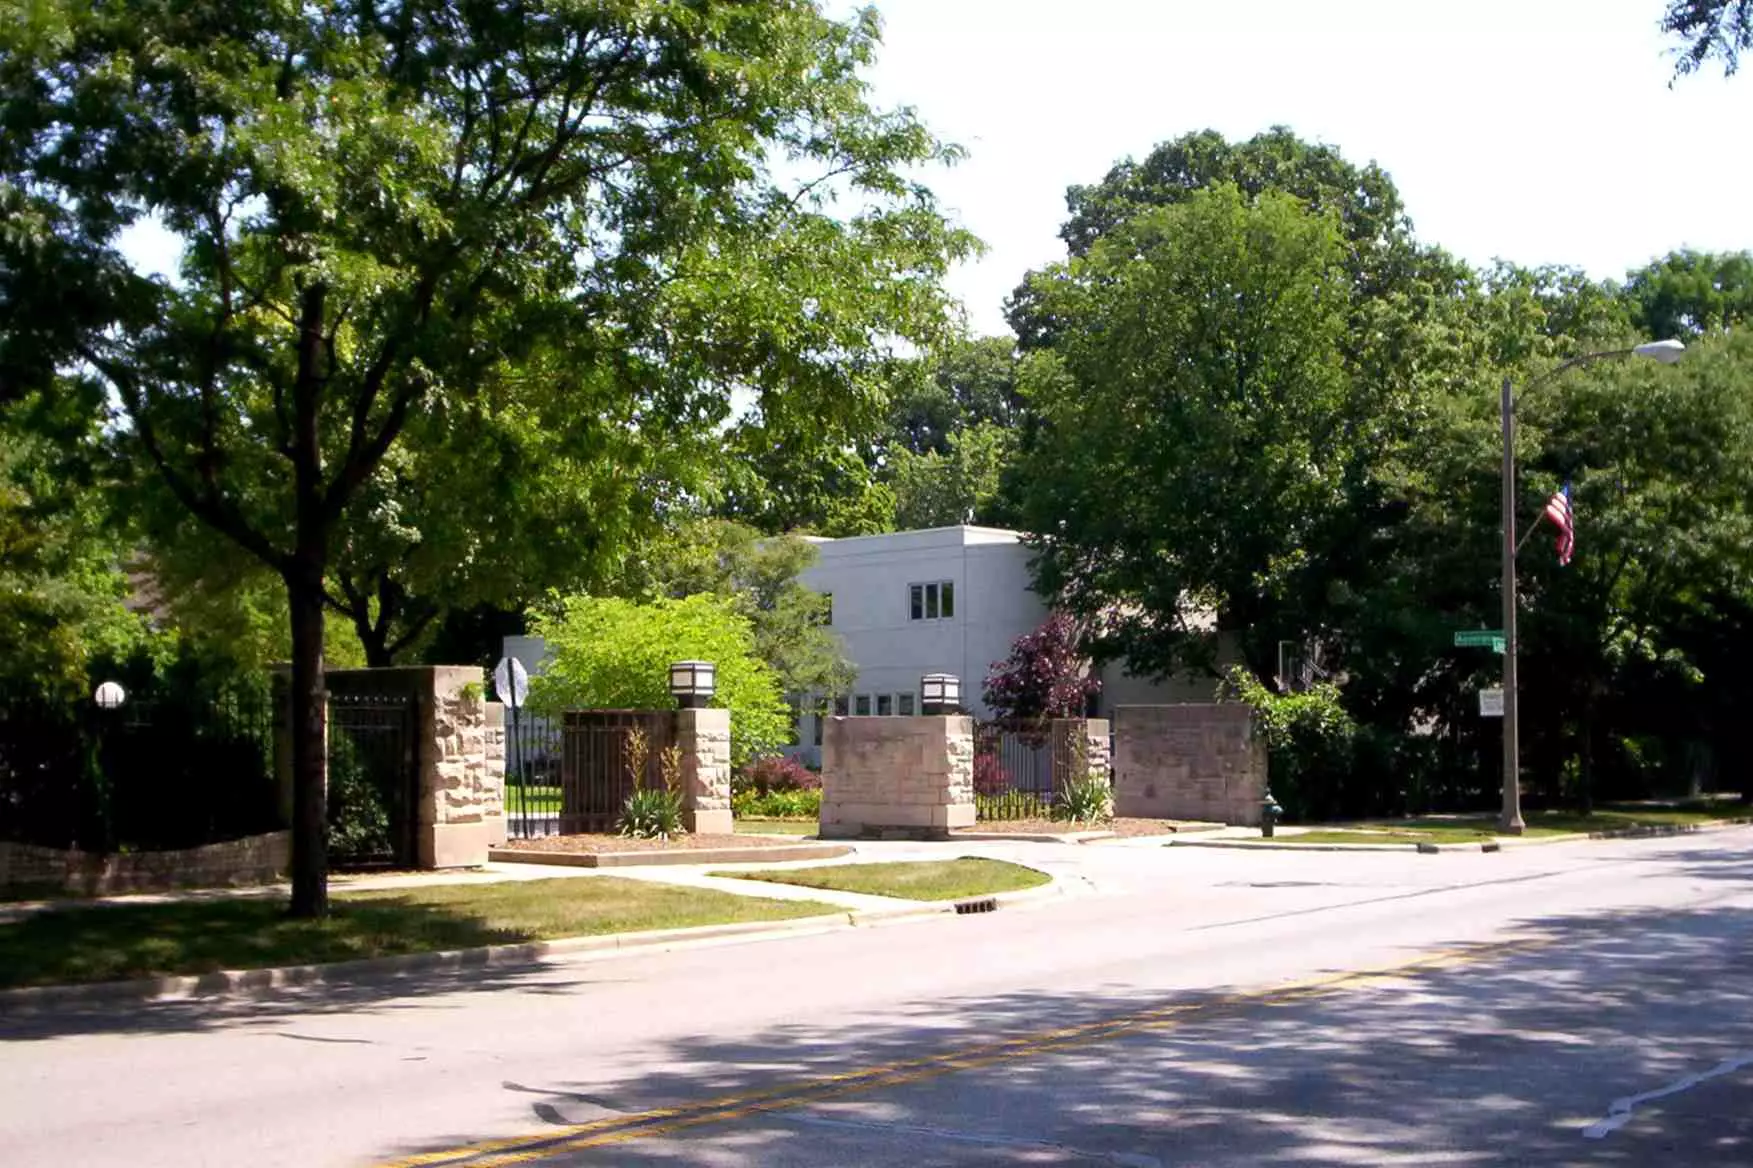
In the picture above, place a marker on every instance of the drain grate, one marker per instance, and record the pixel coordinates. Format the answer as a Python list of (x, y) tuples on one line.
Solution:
[(985, 904)]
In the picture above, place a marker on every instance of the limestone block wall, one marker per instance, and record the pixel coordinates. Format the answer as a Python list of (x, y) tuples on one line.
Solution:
[(493, 745), (911, 776), (704, 739), (1194, 761)]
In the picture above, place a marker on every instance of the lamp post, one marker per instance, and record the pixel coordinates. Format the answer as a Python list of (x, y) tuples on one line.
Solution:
[(1667, 352), (692, 684), (939, 693)]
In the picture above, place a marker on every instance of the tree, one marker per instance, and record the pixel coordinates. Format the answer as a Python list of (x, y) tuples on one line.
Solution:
[(968, 384), (1709, 30), (1691, 293), (388, 209), (605, 652), (63, 591), (1194, 444), (1047, 675), (759, 577), (963, 484)]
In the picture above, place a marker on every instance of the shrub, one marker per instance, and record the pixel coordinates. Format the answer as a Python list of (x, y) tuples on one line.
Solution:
[(990, 777), (1312, 747), (651, 813), (775, 772), (777, 804)]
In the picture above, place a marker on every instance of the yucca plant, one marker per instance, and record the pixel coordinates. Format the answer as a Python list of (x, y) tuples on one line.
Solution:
[(651, 813)]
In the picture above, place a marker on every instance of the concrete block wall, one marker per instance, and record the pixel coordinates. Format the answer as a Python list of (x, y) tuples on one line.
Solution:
[(1195, 761), (493, 745), (897, 776)]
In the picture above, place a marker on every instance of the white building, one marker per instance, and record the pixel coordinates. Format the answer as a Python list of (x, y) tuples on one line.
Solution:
[(942, 600)]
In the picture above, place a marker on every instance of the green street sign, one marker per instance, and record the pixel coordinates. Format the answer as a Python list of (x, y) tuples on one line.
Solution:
[(1480, 639)]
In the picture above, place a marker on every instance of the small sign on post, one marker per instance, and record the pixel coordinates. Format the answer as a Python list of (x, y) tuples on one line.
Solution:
[(1480, 639), (1491, 703), (511, 681)]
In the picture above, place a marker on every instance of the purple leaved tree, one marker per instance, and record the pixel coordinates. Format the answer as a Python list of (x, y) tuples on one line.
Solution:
[(1046, 676)]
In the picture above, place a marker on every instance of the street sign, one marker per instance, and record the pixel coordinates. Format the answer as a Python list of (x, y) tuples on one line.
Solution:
[(1479, 639), (511, 681), (1491, 703)]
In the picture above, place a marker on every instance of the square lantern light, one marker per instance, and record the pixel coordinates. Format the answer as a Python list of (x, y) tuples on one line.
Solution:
[(940, 693), (692, 684)]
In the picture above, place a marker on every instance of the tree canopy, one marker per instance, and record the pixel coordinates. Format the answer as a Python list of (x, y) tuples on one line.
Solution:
[(395, 219)]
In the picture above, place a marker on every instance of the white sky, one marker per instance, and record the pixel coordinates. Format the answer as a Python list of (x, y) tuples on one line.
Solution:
[(1539, 131)]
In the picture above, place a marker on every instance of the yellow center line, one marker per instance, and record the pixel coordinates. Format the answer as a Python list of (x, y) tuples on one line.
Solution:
[(502, 1153)]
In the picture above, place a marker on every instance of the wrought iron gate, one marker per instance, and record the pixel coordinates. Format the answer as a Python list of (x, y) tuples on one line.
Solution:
[(595, 772), (374, 780)]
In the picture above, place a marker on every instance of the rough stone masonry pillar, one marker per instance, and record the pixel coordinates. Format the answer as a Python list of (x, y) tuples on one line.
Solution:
[(493, 776), (452, 830), (897, 777), (704, 738)]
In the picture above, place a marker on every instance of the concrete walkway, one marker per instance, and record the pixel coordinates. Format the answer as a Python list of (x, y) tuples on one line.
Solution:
[(689, 875)]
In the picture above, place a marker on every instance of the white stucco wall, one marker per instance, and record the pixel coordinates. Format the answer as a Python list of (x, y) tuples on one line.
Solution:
[(870, 579)]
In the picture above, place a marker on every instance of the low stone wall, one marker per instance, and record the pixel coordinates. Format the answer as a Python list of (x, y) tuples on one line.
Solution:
[(897, 776), (257, 859), (1194, 761)]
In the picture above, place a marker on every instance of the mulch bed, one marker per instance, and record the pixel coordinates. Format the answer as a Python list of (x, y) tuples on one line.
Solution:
[(617, 843), (1125, 828)]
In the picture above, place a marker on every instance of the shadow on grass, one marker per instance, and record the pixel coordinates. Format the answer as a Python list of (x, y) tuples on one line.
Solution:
[(1497, 1057)]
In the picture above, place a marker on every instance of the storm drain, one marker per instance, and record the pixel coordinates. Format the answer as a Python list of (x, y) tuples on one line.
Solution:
[(984, 904)]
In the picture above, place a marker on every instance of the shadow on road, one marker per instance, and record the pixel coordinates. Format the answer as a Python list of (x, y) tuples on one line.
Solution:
[(1490, 1057)]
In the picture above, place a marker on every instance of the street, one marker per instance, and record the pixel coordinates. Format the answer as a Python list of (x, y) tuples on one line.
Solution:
[(1584, 1003)]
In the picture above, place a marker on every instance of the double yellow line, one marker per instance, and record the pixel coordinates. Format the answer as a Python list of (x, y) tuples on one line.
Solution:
[(663, 1121)]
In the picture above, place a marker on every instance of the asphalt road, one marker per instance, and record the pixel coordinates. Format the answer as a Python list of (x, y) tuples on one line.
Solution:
[(1574, 1004)]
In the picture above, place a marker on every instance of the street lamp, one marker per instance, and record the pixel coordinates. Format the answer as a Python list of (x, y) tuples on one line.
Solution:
[(692, 683), (1667, 352)]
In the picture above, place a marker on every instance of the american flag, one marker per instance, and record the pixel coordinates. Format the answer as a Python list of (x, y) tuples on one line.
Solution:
[(1558, 510)]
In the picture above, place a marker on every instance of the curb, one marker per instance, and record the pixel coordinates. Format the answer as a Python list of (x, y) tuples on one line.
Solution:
[(778, 854), (1000, 837), (249, 983), (1493, 845)]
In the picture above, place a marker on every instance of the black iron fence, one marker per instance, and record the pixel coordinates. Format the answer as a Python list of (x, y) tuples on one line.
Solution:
[(532, 775), (597, 763), (374, 780), (1013, 771), (163, 771)]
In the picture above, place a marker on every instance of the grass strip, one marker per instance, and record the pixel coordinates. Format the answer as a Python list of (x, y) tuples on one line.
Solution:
[(110, 943), (909, 880)]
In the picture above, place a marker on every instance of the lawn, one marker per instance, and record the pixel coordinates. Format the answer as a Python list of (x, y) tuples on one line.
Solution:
[(108, 944), (777, 826), (924, 880), (1479, 829), (532, 800)]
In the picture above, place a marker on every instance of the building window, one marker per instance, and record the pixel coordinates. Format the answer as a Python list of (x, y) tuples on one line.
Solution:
[(885, 705), (842, 705), (905, 702), (861, 705), (821, 718), (935, 601)]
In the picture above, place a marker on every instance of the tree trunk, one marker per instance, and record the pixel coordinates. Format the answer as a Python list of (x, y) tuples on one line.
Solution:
[(310, 830)]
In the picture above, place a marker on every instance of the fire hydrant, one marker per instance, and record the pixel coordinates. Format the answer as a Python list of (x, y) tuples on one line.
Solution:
[(1269, 813)]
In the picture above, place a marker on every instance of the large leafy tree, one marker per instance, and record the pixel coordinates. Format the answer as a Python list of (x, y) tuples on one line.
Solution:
[(1709, 30), (760, 578), (1195, 443), (389, 209), (1692, 293)]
